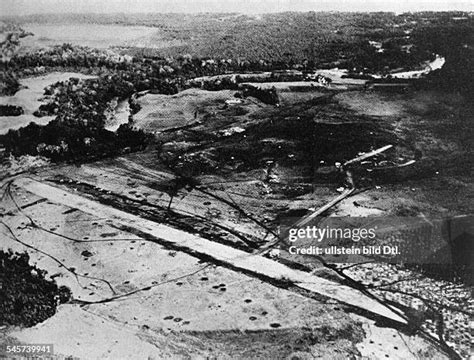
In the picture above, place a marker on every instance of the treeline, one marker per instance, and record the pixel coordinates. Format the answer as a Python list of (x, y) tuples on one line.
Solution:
[(61, 141), (11, 110), (146, 69), (146, 65), (9, 83)]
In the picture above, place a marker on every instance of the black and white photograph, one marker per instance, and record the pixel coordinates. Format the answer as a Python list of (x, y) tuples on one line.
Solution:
[(236, 179)]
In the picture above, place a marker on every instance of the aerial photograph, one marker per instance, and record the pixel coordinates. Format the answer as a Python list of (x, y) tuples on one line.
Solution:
[(236, 179)]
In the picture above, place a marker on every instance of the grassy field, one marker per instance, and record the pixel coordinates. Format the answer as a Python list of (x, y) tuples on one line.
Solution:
[(161, 112)]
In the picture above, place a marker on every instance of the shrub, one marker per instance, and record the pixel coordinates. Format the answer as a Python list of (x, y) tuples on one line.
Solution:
[(11, 110), (26, 297)]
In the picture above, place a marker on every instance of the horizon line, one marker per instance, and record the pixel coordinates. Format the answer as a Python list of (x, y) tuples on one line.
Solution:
[(238, 13), (244, 7)]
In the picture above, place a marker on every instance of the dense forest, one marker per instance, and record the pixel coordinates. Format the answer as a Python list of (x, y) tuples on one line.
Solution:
[(313, 38)]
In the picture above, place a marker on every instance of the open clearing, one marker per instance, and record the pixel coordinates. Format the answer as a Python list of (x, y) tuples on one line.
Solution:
[(162, 112)]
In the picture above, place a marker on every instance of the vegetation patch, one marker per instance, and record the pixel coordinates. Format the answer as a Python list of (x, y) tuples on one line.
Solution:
[(10, 110), (281, 343), (26, 297)]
